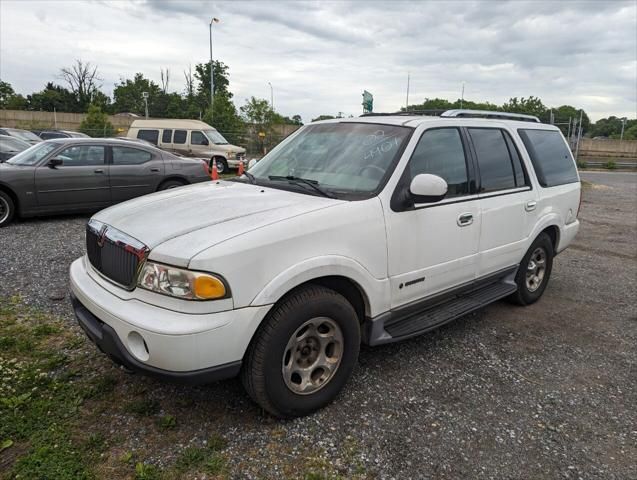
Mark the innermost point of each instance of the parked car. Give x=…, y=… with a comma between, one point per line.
x=191, y=138
x=87, y=174
x=372, y=229
x=20, y=134
x=11, y=146
x=51, y=134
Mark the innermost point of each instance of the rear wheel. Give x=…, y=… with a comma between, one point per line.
x=168, y=184
x=534, y=271
x=303, y=353
x=7, y=209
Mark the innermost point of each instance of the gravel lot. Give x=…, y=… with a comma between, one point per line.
x=548, y=391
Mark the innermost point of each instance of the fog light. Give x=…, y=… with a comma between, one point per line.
x=137, y=346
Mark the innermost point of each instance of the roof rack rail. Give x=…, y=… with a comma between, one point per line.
x=490, y=114
x=403, y=113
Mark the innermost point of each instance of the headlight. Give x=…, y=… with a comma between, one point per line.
x=181, y=283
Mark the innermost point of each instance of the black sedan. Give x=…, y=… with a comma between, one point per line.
x=87, y=174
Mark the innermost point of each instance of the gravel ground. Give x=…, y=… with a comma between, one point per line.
x=547, y=391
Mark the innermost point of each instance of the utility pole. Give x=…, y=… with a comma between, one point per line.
x=621, y=137
x=462, y=96
x=407, y=100
x=212, y=89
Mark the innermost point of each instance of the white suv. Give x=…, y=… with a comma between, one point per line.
x=371, y=229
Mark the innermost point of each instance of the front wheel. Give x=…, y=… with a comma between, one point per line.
x=303, y=353
x=534, y=271
x=7, y=209
x=222, y=165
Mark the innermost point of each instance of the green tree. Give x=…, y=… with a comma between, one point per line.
x=610, y=127
x=630, y=133
x=53, y=97
x=297, y=120
x=127, y=96
x=83, y=81
x=529, y=106
x=562, y=114
x=220, y=77
x=9, y=99
x=96, y=123
x=226, y=119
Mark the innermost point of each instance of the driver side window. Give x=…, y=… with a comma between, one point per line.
x=198, y=138
x=82, y=155
x=440, y=152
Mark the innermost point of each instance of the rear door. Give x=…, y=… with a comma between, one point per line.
x=80, y=182
x=134, y=172
x=508, y=203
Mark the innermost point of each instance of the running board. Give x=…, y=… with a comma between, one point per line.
x=414, y=320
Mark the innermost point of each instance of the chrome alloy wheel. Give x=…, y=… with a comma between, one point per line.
x=4, y=210
x=312, y=355
x=535, y=269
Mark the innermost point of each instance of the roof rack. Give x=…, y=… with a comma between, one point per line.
x=490, y=114
x=464, y=113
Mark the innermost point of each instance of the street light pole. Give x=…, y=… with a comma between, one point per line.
x=462, y=96
x=271, y=97
x=212, y=99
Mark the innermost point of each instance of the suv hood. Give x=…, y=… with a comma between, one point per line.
x=190, y=219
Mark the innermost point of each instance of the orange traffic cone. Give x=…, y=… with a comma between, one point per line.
x=214, y=174
x=240, y=170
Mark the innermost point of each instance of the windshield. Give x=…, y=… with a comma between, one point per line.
x=30, y=136
x=340, y=157
x=34, y=154
x=215, y=137
x=10, y=144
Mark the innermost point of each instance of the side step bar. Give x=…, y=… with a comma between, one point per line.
x=432, y=313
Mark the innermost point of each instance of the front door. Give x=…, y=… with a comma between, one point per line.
x=433, y=247
x=134, y=172
x=80, y=182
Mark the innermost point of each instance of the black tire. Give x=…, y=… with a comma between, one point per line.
x=168, y=184
x=7, y=209
x=262, y=371
x=222, y=165
x=528, y=294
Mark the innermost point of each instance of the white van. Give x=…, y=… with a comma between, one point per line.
x=191, y=138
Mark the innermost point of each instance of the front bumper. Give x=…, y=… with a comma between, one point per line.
x=109, y=343
x=170, y=344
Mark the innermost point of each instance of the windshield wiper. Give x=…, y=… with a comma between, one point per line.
x=251, y=177
x=306, y=181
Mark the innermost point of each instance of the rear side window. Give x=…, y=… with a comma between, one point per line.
x=130, y=156
x=440, y=152
x=550, y=156
x=151, y=136
x=166, y=136
x=179, y=136
x=494, y=159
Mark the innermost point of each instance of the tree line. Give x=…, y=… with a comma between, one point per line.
x=81, y=89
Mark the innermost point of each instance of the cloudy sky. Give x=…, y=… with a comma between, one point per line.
x=320, y=56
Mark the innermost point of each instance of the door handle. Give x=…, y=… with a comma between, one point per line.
x=154, y=169
x=530, y=206
x=465, y=219
x=99, y=170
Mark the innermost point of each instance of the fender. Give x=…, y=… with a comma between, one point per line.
x=549, y=219
x=375, y=291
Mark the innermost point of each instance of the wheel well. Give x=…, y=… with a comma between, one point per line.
x=346, y=287
x=554, y=233
x=218, y=157
x=181, y=180
x=13, y=196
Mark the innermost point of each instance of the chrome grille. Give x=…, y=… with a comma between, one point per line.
x=114, y=254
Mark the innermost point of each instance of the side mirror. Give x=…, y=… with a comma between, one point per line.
x=252, y=163
x=55, y=162
x=427, y=188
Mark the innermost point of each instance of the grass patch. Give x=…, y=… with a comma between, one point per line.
x=167, y=422
x=145, y=407
x=146, y=471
